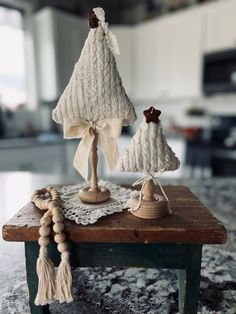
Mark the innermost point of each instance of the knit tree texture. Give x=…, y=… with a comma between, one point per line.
x=95, y=91
x=149, y=152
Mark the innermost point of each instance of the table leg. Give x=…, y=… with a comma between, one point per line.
x=189, y=281
x=31, y=255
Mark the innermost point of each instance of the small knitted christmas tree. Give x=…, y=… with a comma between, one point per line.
x=94, y=105
x=150, y=154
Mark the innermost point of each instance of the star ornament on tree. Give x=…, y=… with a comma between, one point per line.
x=152, y=115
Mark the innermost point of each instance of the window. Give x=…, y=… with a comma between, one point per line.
x=13, y=94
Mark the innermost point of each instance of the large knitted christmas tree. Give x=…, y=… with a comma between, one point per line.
x=150, y=154
x=95, y=90
x=94, y=105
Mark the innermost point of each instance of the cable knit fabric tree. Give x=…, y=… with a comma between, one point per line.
x=94, y=105
x=150, y=154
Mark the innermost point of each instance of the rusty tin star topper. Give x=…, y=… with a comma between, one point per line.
x=152, y=115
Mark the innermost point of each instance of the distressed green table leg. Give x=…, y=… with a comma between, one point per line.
x=189, y=281
x=31, y=255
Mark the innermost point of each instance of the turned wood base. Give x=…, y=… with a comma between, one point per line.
x=94, y=197
x=149, y=209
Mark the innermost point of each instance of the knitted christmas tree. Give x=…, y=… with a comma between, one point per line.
x=150, y=154
x=148, y=151
x=94, y=105
x=95, y=90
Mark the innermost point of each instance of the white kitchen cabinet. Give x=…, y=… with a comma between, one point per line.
x=70, y=149
x=36, y=158
x=221, y=25
x=59, y=38
x=169, y=57
x=186, y=51
x=145, y=60
x=125, y=60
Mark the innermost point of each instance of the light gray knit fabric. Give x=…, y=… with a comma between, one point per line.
x=148, y=151
x=95, y=90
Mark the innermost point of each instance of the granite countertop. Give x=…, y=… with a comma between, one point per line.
x=218, y=195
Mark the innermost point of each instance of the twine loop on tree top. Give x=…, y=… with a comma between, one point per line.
x=110, y=37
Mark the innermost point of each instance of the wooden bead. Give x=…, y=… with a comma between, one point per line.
x=38, y=203
x=57, y=200
x=45, y=204
x=52, y=204
x=44, y=241
x=56, y=211
x=59, y=237
x=58, y=197
x=62, y=247
x=34, y=198
x=45, y=221
x=44, y=231
x=58, y=227
x=53, y=192
x=57, y=218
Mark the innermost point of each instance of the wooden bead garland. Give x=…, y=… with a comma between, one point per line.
x=52, y=287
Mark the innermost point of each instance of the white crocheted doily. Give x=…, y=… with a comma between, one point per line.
x=85, y=214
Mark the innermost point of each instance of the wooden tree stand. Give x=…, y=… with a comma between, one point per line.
x=94, y=194
x=152, y=205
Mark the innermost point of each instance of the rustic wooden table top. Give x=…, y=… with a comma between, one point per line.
x=190, y=222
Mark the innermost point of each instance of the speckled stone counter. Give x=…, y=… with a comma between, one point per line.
x=219, y=195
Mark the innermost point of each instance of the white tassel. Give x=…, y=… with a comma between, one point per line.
x=46, y=278
x=64, y=280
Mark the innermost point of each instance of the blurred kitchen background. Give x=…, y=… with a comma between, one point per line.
x=177, y=55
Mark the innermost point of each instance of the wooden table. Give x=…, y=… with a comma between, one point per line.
x=121, y=239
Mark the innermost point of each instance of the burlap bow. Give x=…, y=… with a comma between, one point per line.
x=108, y=131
